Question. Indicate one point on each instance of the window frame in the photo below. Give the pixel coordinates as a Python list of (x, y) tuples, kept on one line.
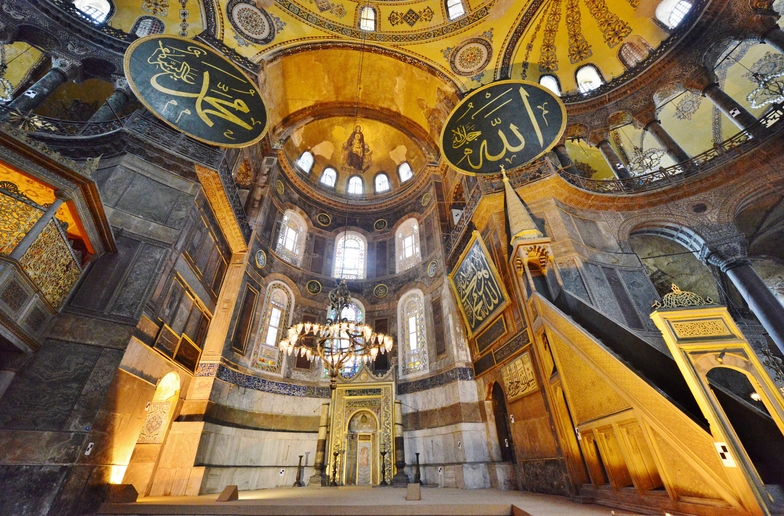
[(414, 360), (334, 176), (588, 66), (410, 172), (449, 5), (363, 20), (559, 91), (353, 181), (298, 163), (295, 223), (381, 175), (667, 8), (267, 357), (91, 3), (338, 266), (408, 228), (142, 19)]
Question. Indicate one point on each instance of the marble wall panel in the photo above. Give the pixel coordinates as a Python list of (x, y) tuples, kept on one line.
[(603, 296), (45, 392), (253, 400), (642, 292), (441, 396), (30, 489), (544, 476), (464, 442)]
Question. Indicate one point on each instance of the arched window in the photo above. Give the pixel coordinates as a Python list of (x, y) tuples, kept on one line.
[(291, 239), (275, 319), (672, 12), (355, 186), (329, 177), (632, 53), (588, 78), (367, 18), (551, 83), (349, 256), (305, 162), (354, 312), (454, 9), (98, 10), (146, 26), (382, 183), (404, 172), (407, 245), (412, 332)]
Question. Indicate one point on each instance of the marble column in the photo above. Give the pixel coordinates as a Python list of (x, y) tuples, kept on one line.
[(617, 166), (22, 247), (672, 148), (61, 72), (112, 106), (727, 105), (775, 38), (318, 478), (566, 161), (763, 304), (400, 479)]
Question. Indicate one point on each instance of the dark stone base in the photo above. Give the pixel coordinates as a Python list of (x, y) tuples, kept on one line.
[(400, 479), (546, 476), (317, 480)]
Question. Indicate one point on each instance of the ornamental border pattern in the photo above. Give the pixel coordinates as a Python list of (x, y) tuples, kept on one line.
[(463, 374), (404, 37), (262, 384)]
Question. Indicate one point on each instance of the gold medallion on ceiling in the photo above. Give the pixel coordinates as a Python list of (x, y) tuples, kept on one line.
[(261, 259), (313, 287), (381, 291), (324, 219), (471, 57), (279, 187), (250, 22), (426, 199), (380, 224)]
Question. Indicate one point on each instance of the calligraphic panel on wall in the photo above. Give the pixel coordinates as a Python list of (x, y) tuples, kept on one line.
[(507, 123), (192, 88), (477, 287), (519, 377)]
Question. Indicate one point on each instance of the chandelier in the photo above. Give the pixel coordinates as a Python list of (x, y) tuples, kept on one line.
[(338, 343), (769, 90), (645, 160)]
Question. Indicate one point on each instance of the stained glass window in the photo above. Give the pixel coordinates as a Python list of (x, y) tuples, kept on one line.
[(355, 186), (275, 317), (291, 239), (404, 172), (349, 256), (454, 9), (411, 314), (407, 245), (367, 18), (382, 183), (305, 162), (329, 177)]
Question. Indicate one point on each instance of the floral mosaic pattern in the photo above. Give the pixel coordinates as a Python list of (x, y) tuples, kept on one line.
[(410, 17)]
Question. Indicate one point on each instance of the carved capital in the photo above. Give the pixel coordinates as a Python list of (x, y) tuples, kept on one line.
[(121, 84), (699, 80), (725, 254), (645, 117), (598, 136), (8, 33), (72, 69)]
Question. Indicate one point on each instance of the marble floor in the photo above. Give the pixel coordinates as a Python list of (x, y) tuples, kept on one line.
[(360, 501)]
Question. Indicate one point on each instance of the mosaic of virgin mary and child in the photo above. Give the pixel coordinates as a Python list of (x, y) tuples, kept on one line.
[(357, 156)]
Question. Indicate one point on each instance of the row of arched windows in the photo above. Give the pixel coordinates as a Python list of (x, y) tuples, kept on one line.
[(669, 12), (278, 309), (350, 246), (368, 15), (355, 186)]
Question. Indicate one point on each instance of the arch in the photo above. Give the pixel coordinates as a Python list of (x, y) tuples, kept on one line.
[(355, 186), (381, 183), (329, 177), (412, 332), (99, 11), (665, 229), (305, 162), (551, 82), (454, 9), (404, 172), (407, 249), (350, 257), (291, 239), (277, 311), (588, 78), (672, 12), (367, 18)]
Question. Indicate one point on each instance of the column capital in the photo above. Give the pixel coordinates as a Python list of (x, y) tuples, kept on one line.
[(597, 136), (646, 117), (8, 33), (725, 254), (121, 84), (72, 69), (63, 195), (700, 80)]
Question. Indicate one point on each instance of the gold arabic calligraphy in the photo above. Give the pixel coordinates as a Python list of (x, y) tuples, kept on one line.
[(177, 66), (477, 287), (466, 132)]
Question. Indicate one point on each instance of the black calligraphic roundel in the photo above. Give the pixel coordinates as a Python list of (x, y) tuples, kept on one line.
[(507, 123), (196, 90)]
